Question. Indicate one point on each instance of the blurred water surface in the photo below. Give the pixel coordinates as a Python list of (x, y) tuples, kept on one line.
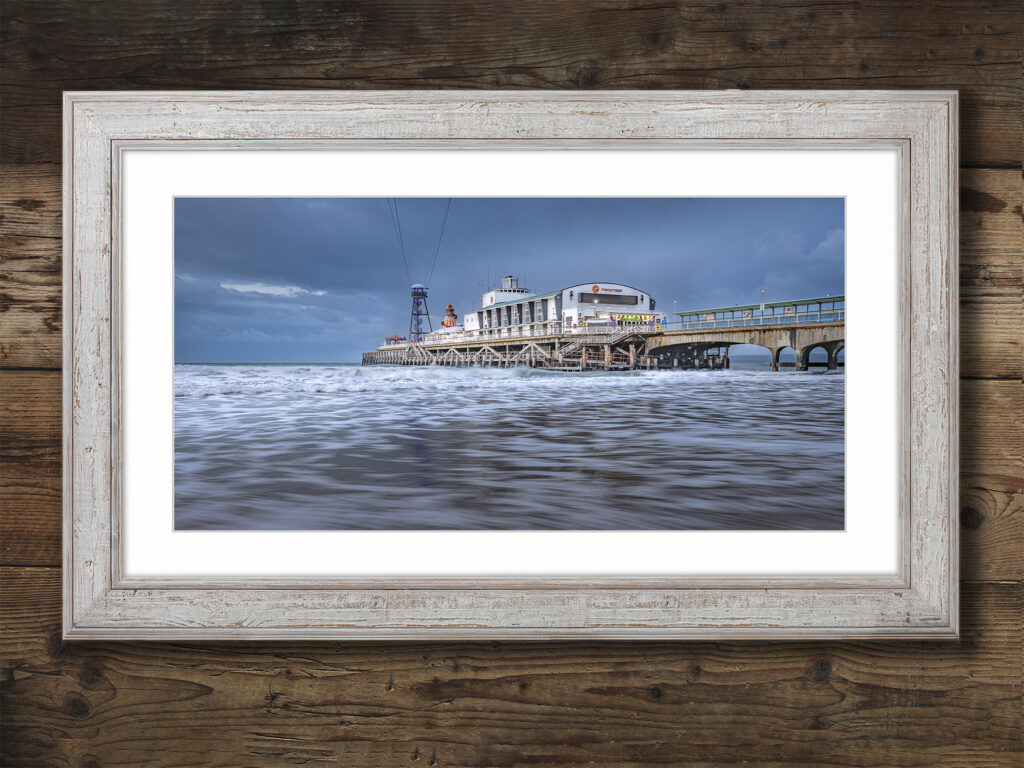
[(344, 447)]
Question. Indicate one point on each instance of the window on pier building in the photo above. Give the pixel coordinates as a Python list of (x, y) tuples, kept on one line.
[(597, 298)]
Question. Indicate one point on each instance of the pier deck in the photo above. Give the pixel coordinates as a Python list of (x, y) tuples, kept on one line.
[(686, 344), (618, 350)]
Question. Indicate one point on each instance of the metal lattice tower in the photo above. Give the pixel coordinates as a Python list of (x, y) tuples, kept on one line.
[(419, 312)]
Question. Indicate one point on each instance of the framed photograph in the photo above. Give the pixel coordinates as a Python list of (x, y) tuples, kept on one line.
[(468, 364)]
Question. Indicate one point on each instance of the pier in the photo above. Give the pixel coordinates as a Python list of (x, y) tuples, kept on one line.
[(695, 339)]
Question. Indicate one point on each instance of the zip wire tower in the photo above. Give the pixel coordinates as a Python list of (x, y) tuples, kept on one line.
[(419, 312), (419, 291)]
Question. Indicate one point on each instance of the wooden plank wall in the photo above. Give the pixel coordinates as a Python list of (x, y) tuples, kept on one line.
[(496, 704)]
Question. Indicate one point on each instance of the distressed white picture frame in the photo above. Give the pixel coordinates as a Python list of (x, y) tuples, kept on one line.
[(918, 600)]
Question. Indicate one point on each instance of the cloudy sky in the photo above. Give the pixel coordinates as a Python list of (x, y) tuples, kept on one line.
[(323, 280)]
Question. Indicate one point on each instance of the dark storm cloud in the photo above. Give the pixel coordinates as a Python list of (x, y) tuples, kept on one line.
[(289, 280)]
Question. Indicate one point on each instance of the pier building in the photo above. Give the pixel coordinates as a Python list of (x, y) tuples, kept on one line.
[(575, 308), (612, 326)]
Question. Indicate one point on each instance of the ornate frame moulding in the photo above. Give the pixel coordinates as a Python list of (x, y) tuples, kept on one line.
[(918, 600)]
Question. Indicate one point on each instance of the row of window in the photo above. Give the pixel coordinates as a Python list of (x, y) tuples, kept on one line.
[(510, 315)]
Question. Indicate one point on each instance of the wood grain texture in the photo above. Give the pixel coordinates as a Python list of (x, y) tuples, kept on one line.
[(991, 274), (780, 704), (788, 704), (30, 217), (286, 44), (30, 455)]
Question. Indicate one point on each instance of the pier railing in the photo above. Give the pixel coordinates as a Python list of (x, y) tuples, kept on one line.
[(685, 324), (547, 329), (791, 318), (515, 332)]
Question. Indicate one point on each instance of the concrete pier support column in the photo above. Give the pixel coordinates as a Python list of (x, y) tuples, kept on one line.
[(775, 358), (802, 355), (833, 358)]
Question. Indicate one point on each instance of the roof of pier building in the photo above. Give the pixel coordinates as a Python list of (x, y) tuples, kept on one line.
[(549, 294), (522, 300), (767, 305)]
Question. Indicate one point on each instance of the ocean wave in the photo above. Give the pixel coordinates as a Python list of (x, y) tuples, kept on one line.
[(207, 380), (339, 446)]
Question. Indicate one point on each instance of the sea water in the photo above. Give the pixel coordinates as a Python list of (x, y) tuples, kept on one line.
[(346, 447)]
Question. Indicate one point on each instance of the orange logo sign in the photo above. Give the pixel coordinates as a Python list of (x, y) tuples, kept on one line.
[(596, 289)]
